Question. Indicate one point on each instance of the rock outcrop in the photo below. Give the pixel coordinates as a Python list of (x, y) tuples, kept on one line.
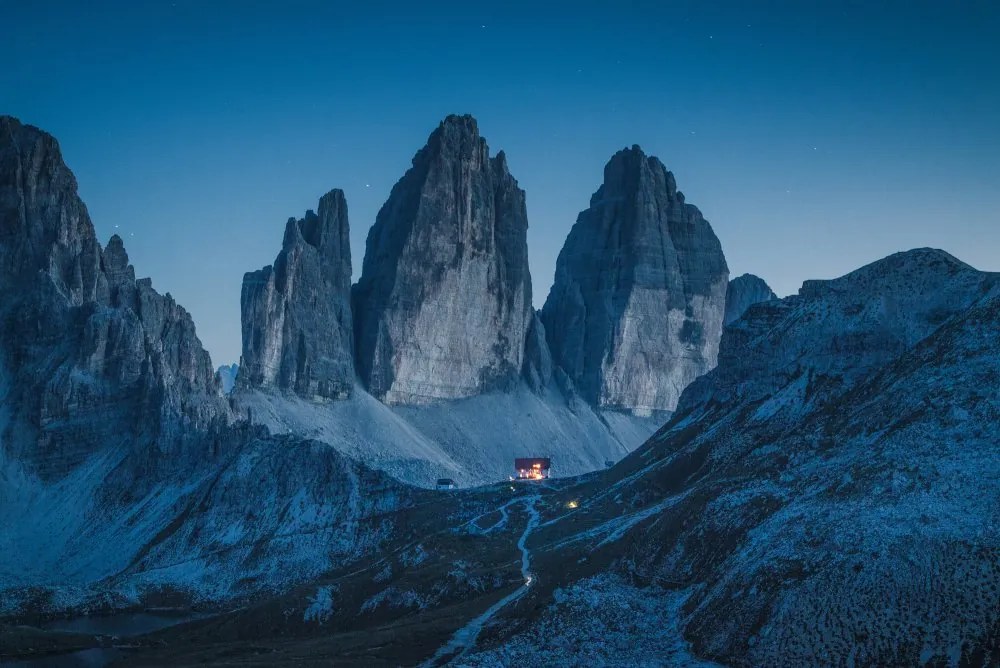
[(635, 313), (745, 291), (444, 300), (228, 374), (834, 332), (92, 356), (298, 333), (537, 356)]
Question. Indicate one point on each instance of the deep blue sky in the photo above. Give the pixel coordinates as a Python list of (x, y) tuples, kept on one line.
[(815, 136)]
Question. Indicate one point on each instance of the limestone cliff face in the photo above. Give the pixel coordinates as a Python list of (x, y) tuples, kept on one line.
[(745, 291), (537, 356), (92, 356), (444, 300), (298, 333), (635, 313)]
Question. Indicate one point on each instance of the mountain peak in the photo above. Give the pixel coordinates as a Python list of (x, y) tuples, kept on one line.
[(745, 291), (443, 304), (296, 314), (636, 310), (115, 257), (896, 272), (456, 137), (87, 299), (460, 122), (630, 170), (324, 231), (12, 124)]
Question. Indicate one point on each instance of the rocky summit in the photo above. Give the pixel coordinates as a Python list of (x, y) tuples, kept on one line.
[(635, 313), (298, 333), (745, 291), (91, 356), (443, 305)]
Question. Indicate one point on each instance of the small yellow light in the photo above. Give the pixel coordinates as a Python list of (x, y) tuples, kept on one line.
[(572, 504)]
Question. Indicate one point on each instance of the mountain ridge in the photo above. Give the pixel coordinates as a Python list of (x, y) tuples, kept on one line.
[(821, 495)]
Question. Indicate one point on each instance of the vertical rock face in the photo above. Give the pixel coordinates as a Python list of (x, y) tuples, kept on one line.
[(635, 313), (537, 356), (91, 355), (298, 333), (745, 291), (444, 300)]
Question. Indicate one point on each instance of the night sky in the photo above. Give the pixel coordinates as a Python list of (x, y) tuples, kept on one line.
[(815, 136)]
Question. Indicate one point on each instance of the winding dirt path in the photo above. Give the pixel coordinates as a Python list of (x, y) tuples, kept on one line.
[(465, 638)]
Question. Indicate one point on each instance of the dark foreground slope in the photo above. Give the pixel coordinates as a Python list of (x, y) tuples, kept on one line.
[(829, 493)]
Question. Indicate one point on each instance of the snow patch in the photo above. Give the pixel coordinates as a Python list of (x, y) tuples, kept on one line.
[(320, 605)]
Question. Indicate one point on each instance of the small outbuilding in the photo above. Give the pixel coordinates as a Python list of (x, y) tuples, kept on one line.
[(445, 483), (532, 468)]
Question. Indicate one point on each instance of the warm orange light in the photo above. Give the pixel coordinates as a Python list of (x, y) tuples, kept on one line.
[(536, 472)]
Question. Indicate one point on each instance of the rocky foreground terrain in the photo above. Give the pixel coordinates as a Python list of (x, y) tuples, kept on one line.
[(826, 495)]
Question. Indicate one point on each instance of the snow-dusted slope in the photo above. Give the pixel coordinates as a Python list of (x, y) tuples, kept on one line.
[(259, 513), (830, 490), (473, 441)]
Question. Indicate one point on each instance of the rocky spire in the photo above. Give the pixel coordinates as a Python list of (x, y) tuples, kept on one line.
[(635, 313), (95, 357), (444, 300), (298, 333), (745, 291), (45, 226)]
